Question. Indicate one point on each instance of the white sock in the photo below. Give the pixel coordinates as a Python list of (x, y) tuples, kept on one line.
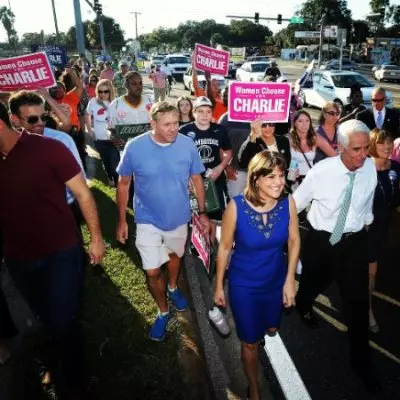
[(172, 290)]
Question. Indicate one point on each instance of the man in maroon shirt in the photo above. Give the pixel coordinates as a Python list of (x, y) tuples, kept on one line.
[(41, 245)]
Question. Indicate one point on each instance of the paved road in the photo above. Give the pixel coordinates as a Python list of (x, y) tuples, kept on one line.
[(320, 356)]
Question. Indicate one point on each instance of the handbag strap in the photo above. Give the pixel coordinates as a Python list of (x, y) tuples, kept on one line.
[(307, 161)]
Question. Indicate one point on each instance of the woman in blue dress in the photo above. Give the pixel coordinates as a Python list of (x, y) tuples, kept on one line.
[(260, 222)]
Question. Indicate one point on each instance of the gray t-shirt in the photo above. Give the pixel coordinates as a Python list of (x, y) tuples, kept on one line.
[(238, 132)]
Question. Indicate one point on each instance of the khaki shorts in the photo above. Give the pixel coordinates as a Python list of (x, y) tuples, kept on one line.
[(155, 245)]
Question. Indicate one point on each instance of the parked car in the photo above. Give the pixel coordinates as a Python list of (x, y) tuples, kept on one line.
[(315, 88), (157, 59), (233, 66), (177, 65), (347, 65), (188, 80), (387, 73), (252, 71), (258, 58)]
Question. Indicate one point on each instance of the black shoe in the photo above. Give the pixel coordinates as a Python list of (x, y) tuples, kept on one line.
[(369, 379), (309, 320)]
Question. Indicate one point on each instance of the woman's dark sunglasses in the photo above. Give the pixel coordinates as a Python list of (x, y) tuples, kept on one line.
[(34, 119), (104, 91), (272, 124), (333, 113), (93, 81)]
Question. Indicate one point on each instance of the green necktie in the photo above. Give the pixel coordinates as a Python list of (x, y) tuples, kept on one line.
[(344, 210)]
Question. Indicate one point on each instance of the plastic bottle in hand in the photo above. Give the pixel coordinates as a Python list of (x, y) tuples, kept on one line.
[(293, 170), (218, 319)]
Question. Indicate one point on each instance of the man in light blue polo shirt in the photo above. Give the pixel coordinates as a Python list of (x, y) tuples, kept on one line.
[(162, 162)]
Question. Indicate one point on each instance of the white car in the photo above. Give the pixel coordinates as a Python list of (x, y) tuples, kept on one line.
[(177, 65), (252, 71), (157, 60), (315, 88), (188, 80), (387, 72)]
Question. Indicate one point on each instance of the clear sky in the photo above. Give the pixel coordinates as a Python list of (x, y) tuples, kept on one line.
[(34, 15)]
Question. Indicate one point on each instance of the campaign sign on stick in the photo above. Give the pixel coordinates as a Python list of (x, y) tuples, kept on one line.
[(211, 60), (268, 101), (200, 242), (57, 54), (26, 72)]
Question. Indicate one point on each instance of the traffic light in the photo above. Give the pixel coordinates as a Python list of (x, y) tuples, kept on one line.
[(256, 18), (382, 13), (98, 8), (279, 19)]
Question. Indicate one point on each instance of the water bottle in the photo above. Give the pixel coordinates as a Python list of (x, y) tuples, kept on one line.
[(218, 319), (293, 169)]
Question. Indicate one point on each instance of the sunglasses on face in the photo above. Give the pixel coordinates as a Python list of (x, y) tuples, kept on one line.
[(104, 91), (377, 100), (271, 124), (333, 113), (93, 81), (34, 119)]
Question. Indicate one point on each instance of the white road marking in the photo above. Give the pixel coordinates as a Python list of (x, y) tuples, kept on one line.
[(289, 378)]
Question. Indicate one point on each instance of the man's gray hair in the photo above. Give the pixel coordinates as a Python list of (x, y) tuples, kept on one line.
[(346, 129)]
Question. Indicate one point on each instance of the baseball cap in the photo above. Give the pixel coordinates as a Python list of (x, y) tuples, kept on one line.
[(202, 101)]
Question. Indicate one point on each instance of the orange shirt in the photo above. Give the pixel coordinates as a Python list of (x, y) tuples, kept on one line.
[(219, 107), (70, 103)]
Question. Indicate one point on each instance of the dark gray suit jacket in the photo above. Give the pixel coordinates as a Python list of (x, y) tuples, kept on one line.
[(391, 122)]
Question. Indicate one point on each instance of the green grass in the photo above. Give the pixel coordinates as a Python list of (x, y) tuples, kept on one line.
[(118, 311)]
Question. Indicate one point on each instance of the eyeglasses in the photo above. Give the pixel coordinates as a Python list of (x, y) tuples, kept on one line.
[(104, 91), (93, 81), (271, 124), (333, 113), (34, 119), (378, 100)]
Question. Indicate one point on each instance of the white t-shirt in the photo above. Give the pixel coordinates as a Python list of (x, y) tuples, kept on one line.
[(123, 113), (100, 116), (301, 161)]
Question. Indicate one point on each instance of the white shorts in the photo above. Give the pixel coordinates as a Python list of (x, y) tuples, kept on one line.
[(155, 245)]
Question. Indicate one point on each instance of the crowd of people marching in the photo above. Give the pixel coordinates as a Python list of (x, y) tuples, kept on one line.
[(340, 178)]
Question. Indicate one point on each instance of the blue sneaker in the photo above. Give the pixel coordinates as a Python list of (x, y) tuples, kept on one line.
[(159, 328), (179, 302)]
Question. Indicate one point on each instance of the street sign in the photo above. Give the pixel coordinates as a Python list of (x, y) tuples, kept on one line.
[(331, 31), (306, 34), (341, 37), (296, 20)]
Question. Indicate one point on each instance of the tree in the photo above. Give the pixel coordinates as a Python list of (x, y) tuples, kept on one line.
[(335, 11), (361, 31), (113, 34), (376, 5), (7, 18), (247, 33)]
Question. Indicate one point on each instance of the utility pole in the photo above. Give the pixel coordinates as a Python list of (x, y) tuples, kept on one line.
[(98, 9), (321, 39), (136, 34), (80, 36), (136, 26), (55, 22)]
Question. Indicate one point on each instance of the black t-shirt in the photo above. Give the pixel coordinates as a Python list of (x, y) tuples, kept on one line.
[(237, 132), (208, 142)]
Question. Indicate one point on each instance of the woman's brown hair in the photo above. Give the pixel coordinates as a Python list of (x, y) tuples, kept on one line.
[(378, 136), (328, 105), (262, 164), (311, 135), (178, 102)]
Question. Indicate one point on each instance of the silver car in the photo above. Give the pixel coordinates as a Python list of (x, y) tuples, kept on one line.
[(387, 73), (317, 87)]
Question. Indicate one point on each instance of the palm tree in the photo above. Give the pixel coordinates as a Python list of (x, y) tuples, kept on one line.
[(7, 18)]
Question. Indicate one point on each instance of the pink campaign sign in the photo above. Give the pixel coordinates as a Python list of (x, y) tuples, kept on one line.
[(26, 72), (200, 242), (268, 101), (211, 60)]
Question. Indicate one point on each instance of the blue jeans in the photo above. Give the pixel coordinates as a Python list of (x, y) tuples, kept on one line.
[(109, 155), (52, 287)]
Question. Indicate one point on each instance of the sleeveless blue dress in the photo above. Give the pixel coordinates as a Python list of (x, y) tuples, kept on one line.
[(258, 269)]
